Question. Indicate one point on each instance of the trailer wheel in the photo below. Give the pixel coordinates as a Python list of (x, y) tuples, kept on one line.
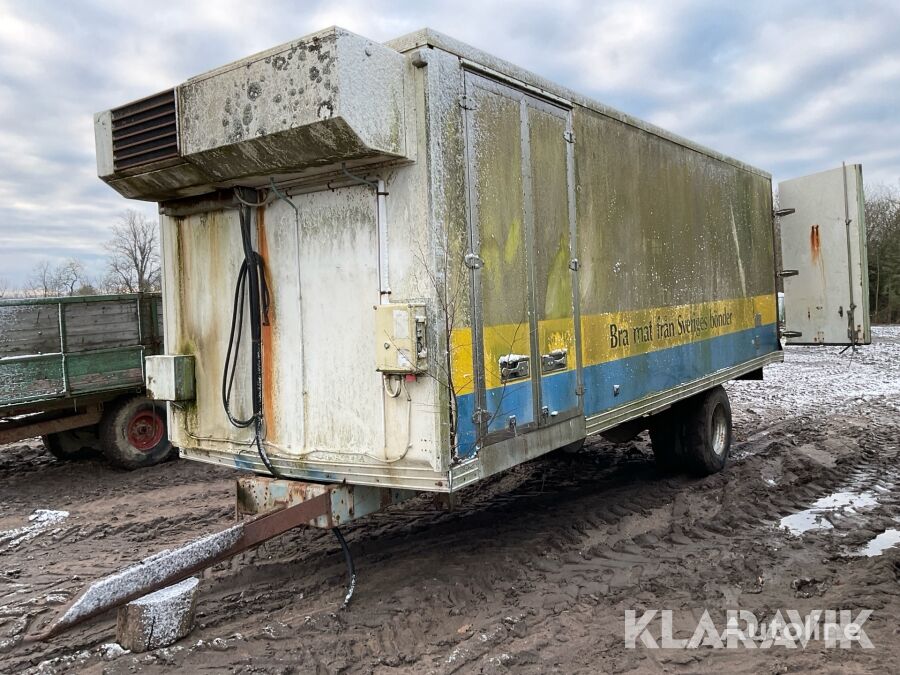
[(133, 433), (73, 443), (667, 437), (708, 432)]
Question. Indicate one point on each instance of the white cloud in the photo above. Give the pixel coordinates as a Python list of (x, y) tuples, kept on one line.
[(783, 53), (620, 45), (793, 88), (27, 48), (870, 84)]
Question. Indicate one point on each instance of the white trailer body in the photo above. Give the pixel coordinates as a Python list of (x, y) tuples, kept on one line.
[(467, 266)]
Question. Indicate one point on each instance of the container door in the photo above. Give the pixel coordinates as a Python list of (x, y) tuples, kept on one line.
[(521, 214), (505, 376), (552, 219), (823, 245)]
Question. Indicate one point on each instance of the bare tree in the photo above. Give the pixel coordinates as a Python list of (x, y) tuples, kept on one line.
[(70, 276), (133, 264), (67, 278), (883, 234), (4, 287), (43, 280)]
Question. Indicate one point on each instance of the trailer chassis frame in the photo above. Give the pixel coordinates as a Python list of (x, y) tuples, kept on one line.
[(279, 506)]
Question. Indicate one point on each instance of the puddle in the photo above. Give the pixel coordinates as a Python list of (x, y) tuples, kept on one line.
[(816, 516), (880, 544)]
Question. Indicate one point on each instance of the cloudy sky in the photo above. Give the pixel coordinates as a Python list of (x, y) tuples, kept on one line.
[(792, 87)]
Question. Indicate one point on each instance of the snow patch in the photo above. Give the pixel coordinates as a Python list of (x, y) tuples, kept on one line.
[(39, 521), (803, 384), (111, 651)]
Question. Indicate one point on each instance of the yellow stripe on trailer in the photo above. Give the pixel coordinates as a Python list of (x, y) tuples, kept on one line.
[(610, 336)]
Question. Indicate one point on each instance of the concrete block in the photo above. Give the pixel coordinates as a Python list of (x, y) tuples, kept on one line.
[(158, 619)]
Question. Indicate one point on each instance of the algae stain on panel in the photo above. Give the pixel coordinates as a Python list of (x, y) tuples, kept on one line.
[(512, 248), (558, 297)]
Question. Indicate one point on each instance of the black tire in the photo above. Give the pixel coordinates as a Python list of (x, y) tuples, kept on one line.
[(73, 443), (708, 432), (133, 433), (667, 437)]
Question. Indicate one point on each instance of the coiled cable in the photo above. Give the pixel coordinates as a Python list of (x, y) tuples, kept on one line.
[(251, 283)]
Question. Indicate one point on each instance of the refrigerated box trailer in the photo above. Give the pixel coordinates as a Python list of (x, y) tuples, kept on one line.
[(401, 268), (412, 265)]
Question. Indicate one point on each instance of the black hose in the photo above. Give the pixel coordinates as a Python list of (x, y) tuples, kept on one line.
[(351, 570), (234, 347), (251, 282)]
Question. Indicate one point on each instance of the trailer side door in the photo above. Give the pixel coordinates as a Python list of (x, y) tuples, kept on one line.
[(521, 222), (552, 201), (823, 245)]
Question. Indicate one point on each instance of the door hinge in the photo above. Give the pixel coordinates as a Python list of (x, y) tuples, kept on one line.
[(579, 390), (791, 334), (473, 261), (466, 102), (780, 213), (787, 273), (569, 136)]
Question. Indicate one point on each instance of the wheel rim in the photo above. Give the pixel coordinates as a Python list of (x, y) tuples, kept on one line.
[(145, 430), (719, 431)]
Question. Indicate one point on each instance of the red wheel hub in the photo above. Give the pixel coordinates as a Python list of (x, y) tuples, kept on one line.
[(145, 430)]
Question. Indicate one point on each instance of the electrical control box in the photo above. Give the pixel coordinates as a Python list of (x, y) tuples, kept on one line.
[(170, 377), (400, 338)]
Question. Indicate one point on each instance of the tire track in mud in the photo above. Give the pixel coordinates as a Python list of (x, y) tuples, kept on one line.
[(533, 570), (571, 533), (115, 518), (641, 529), (624, 520)]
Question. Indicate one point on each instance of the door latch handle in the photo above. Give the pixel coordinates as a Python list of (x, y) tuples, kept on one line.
[(555, 360), (514, 367)]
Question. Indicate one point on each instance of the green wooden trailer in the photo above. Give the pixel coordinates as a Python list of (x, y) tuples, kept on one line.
[(72, 372)]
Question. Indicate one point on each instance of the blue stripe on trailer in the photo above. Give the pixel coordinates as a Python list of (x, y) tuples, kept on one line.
[(637, 376)]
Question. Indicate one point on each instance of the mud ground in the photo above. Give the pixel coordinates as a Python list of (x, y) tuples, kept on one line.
[(534, 570)]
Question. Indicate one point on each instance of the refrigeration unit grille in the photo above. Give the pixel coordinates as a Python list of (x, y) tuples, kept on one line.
[(145, 131)]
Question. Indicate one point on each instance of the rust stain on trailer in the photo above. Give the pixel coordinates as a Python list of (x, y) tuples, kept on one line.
[(268, 328), (815, 244), (258, 495)]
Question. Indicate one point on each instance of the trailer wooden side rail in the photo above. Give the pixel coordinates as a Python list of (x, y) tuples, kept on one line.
[(72, 372)]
